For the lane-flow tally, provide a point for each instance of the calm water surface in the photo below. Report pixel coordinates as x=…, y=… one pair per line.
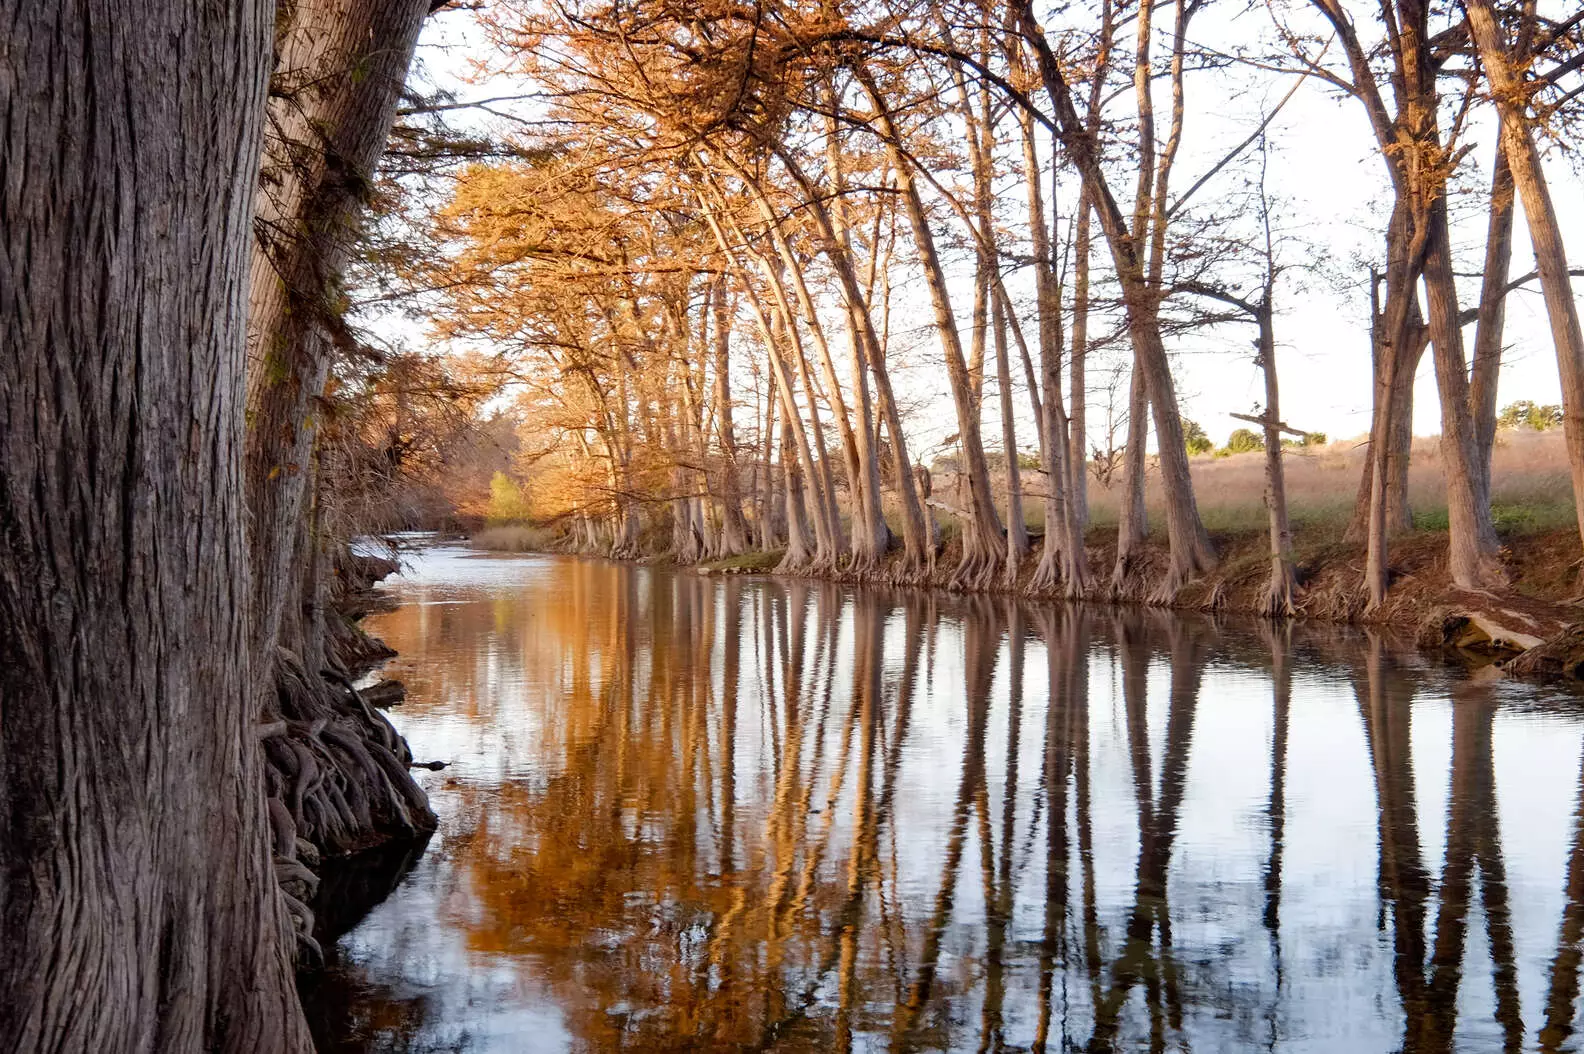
x=688, y=813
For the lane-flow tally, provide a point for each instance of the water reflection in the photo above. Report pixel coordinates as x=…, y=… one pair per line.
x=688, y=813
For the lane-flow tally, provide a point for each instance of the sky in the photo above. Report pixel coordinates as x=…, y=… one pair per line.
x=1331, y=185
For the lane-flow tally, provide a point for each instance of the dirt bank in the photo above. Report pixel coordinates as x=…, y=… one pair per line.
x=1541, y=605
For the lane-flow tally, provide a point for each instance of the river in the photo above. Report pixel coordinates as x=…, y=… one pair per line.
x=691, y=813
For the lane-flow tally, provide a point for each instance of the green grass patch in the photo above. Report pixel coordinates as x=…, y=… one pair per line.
x=746, y=562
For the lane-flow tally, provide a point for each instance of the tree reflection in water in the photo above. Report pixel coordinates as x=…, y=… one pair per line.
x=689, y=813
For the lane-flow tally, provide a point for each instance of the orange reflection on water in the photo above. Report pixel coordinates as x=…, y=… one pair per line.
x=693, y=813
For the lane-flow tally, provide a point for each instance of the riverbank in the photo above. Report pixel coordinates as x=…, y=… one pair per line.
x=1542, y=605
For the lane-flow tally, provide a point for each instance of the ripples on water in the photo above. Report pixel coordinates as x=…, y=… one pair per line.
x=688, y=813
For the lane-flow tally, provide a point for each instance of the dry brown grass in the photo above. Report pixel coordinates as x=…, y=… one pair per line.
x=1529, y=484
x=514, y=539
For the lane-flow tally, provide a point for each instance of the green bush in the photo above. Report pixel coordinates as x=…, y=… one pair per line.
x=1244, y=441
x=1528, y=414
x=1194, y=438
x=507, y=504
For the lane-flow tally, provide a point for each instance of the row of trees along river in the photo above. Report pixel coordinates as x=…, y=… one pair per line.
x=717, y=228
x=191, y=425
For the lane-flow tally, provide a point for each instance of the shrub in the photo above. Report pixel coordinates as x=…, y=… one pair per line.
x=506, y=504
x=1527, y=414
x=1244, y=441
x=1194, y=438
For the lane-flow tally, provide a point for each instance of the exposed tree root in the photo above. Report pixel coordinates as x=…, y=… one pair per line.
x=336, y=778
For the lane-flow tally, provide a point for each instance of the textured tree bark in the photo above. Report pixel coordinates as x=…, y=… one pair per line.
x=1509, y=91
x=340, y=71
x=140, y=912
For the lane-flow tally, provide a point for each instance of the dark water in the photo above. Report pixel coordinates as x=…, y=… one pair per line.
x=687, y=813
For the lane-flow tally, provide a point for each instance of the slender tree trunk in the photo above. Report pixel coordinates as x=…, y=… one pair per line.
x=1472, y=545
x=733, y=536
x=802, y=548
x=140, y=909
x=1544, y=234
x=1279, y=595
x=1062, y=557
x=791, y=420
x=867, y=548
x=1132, y=526
x=1078, y=435
x=915, y=535
x=1017, y=529
x=1190, y=545
x=982, y=530
x=1491, y=324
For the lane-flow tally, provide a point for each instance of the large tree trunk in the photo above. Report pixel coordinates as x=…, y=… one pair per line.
x=140, y=909
x=1550, y=258
x=341, y=67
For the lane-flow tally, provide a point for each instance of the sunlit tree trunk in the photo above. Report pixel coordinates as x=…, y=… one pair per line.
x=140, y=908
x=1191, y=552
x=773, y=335
x=733, y=534
x=1544, y=234
x=871, y=347
x=982, y=527
x=867, y=547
